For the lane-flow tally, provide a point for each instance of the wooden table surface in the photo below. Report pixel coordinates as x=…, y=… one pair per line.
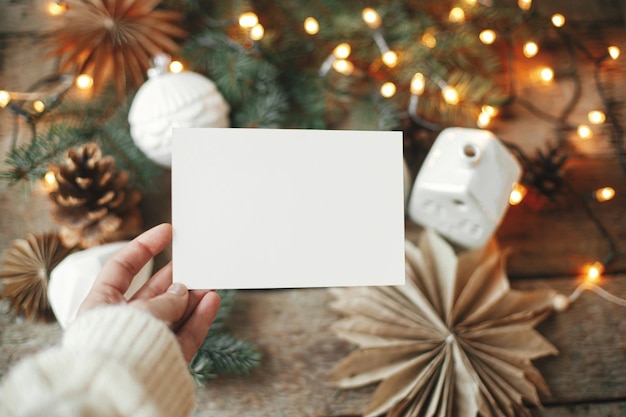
x=291, y=327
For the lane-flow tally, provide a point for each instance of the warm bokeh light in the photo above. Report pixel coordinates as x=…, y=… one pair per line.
x=39, y=106
x=530, y=49
x=517, y=194
x=418, y=83
x=5, y=98
x=176, y=67
x=490, y=110
x=593, y=272
x=483, y=120
x=56, y=8
x=596, y=117
x=604, y=194
x=457, y=15
x=371, y=18
x=248, y=20
x=342, y=51
x=390, y=58
x=471, y=2
x=429, y=39
x=487, y=36
x=311, y=26
x=343, y=66
x=450, y=95
x=614, y=52
x=584, y=132
x=388, y=89
x=84, y=82
x=546, y=74
x=50, y=180
x=558, y=20
x=524, y=4
x=257, y=32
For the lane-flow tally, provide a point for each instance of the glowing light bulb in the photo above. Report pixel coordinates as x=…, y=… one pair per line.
x=390, y=58
x=343, y=66
x=39, y=106
x=342, y=51
x=56, y=8
x=418, y=83
x=257, y=32
x=50, y=180
x=84, y=82
x=604, y=194
x=487, y=36
x=593, y=271
x=483, y=120
x=546, y=74
x=517, y=194
x=5, y=98
x=530, y=49
x=311, y=26
x=248, y=20
x=388, y=89
x=490, y=110
x=450, y=95
x=176, y=67
x=371, y=18
x=614, y=52
x=596, y=117
x=584, y=132
x=428, y=39
x=457, y=15
x=524, y=4
x=558, y=20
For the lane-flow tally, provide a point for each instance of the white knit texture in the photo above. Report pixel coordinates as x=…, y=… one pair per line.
x=114, y=361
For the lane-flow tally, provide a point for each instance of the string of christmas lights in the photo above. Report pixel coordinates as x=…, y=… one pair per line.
x=253, y=32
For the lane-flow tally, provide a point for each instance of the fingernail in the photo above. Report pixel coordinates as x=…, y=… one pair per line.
x=178, y=289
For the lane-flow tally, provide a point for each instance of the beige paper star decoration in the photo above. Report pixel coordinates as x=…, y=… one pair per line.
x=455, y=340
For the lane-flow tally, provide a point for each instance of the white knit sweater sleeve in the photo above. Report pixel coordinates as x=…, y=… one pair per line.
x=113, y=361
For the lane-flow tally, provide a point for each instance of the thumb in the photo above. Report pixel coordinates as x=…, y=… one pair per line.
x=168, y=306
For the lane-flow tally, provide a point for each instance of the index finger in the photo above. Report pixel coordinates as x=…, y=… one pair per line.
x=120, y=270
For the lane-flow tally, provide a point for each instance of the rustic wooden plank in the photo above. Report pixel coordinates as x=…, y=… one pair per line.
x=558, y=239
x=291, y=328
x=584, y=410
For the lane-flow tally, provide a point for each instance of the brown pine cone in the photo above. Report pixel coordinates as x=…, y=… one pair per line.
x=93, y=203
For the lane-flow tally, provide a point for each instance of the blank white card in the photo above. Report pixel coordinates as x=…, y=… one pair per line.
x=279, y=208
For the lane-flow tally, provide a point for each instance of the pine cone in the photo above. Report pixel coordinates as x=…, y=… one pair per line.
x=93, y=203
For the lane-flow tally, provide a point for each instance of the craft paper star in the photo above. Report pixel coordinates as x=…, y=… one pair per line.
x=455, y=340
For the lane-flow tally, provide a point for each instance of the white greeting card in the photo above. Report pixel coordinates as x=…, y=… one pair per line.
x=280, y=208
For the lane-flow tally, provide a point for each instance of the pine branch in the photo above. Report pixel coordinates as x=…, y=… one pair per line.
x=222, y=353
x=31, y=161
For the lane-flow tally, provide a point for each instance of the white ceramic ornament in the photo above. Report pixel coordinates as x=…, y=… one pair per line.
x=72, y=279
x=462, y=190
x=168, y=100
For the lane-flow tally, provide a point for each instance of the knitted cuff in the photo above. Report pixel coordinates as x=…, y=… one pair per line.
x=142, y=344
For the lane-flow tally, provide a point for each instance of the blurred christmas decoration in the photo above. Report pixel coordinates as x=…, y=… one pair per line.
x=463, y=187
x=25, y=273
x=168, y=100
x=93, y=203
x=108, y=39
x=71, y=280
x=455, y=340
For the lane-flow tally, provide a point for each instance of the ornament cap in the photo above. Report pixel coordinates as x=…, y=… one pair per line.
x=160, y=64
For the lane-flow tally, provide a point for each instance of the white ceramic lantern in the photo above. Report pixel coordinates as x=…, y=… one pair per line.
x=168, y=100
x=462, y=190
